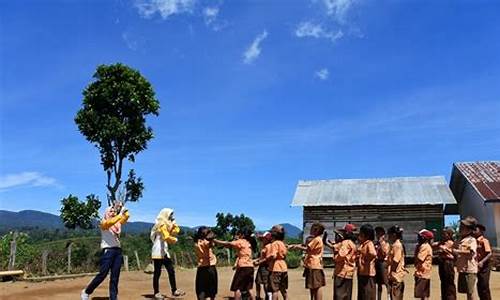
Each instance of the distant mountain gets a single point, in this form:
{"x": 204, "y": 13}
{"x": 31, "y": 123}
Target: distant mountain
{"x": 33, "y": 219}
{"x": 292, "y": 230}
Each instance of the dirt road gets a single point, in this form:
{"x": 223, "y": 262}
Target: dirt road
{"x": 137, "y": 285}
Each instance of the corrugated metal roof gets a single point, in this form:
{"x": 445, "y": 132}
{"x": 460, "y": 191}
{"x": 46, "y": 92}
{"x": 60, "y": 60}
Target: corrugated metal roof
{"x": 484, "y": 177}
{"x": 381, "y": 191}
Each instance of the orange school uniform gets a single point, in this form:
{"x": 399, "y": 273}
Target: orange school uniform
{"x": 366, "y": 258}
{"x": 244, "y": 253}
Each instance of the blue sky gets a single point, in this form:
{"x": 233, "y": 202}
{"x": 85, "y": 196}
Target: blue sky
{"x": 255, "y": 95}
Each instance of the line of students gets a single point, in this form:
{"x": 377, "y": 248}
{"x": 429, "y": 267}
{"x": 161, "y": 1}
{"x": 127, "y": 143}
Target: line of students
{"x": 378, "y": 262}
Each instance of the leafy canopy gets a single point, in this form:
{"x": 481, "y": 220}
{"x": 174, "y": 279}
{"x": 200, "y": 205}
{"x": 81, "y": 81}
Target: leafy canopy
{"x": 113, "y": 118}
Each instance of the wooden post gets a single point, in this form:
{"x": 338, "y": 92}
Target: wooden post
{"x": 137, "y": 259}
{"x": 13, "y": 249}
{"x": 175, "y": 258}
{"x": 125, "y": 262}
{"x": 70, "y": 245}
{"x": 45, "y": 254}
{"x": 228, "y": 256}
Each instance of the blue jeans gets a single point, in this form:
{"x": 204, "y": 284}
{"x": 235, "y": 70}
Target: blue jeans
{"x": 111, "y": 259}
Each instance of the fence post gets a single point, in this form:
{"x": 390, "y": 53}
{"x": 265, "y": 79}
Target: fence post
{"x": 228, "y": 256}
{"x": 125, "y": 262}
{"x": 69, "y": 256}
{"x": 138, "y": 261}
{"x": 13, "y": 249}
{"x": 45, "y": 254}
{"x": 175, "y": 258}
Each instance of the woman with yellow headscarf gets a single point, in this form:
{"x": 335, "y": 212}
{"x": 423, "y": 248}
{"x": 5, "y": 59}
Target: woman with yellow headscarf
{"x": 163, "y": 233}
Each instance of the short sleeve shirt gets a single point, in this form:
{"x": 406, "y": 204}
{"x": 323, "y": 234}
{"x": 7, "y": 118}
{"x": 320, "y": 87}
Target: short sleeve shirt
{"x": 366, "y": 258}
{"x": 423, "y": 261}
{"x": 204, "y": 254}
{"x": 277, "y": 257}
{"x": 382, "y": 249}
{"x": 396, "y": 262}
{"x": 244, "y": 253}
{"x": 314, "y": 254}
{"x": 345, "y": 259}
{"x": 467, "y": 263}
{"x": 483, "y": 248}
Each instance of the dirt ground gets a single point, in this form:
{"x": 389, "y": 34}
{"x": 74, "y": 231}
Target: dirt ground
{"x": 138, "y": 285}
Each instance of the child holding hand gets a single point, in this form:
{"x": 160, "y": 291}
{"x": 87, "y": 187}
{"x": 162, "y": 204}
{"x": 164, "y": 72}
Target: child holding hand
{"x": 313, "y": 262}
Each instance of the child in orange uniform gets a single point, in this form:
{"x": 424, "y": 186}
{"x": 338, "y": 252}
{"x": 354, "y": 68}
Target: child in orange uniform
{"x": 483, "y": 258}
{"x": 382, "y": 247}
{"x": 278, "y": 277}
{"x": 366, "y": 263}
{"x": 344, "y": 251}
{"x": 446, "y": 264}
{"x": 244, "y": 244}
{"x": 206, "y": 282}
{"x": 423, "y": 264}
{"x": 313, "y": 262}
{"x": 396, "y": 263}
{"x": 262, "y": 276}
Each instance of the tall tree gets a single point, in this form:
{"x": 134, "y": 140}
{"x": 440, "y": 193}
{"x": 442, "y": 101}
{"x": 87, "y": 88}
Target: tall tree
{"x": 113, "y": 118}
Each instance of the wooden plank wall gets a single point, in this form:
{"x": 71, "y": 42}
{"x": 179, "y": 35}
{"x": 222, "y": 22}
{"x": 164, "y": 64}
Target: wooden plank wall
{"x": 412, "y": 218}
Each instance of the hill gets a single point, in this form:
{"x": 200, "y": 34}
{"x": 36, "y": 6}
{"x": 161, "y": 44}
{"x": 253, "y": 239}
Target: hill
{"x": 292, "y": 230}
{"x": 32, "y": 220}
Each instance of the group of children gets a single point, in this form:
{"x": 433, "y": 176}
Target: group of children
{"x": 377, "y": 257}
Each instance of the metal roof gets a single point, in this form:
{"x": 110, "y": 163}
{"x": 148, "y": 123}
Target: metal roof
{"x": 483, "y": 176}
{"x": 379, "y": 191}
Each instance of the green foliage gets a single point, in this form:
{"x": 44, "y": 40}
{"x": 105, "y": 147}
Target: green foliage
{"x": 228, "y": 225}
{"x": 75, "y": 213}
{"x": 113, "y": 118}
{"x": 293, "y": 259}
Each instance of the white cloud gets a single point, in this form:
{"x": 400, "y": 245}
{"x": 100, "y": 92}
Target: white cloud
{"x": 254, "y": 50}
{"x": 26, "y": 179}
{"x": 338, "y": 8}
{"x": 131, "y": 43}
{"x": 309, "y": 29}
{"x": 322, "y": 74}
{"x": 210, "y": 14}
{"x": 166, "y": 8}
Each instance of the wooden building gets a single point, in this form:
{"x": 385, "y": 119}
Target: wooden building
{"x": 413, "y": 203}
{"x": 476, "y": 186}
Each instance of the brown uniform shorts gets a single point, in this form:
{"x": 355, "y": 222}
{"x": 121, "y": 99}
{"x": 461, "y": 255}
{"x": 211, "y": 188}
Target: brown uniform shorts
{"x": 396, "y": 290}
{"x": 422, "y": 287}
{"x": 278, "y": 281}
{"x": 242, "y": 279}
{"x": 315, "y": 278}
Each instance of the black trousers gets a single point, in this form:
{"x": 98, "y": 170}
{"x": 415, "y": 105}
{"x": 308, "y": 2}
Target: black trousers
{"x": 111, "y": 260}
{"x": 169, "y": 265}
{"x": 483, "y": 283}
{"x": 447, "y": 276}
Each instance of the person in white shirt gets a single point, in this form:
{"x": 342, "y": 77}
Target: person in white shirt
{"x": 111, "y": 259}
{"x": 163, "y": 233}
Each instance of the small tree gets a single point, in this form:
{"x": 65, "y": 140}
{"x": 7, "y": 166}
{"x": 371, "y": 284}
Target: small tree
{"x": 113, "y": 119}
{"x": 228, "y": 225}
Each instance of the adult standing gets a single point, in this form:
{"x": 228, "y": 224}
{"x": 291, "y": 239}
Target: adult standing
{"x": 111, "y": 258}
{"x": 162, "y": 234}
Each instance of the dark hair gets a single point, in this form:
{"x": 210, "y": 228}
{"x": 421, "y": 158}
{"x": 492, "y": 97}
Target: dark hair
{"x": 449, "y": 231}
{"x": 201, "y": 233}
{"x": 481, "y": 227}
{"x": 278, "y": 232}
{"x": 318, "y": 227}
{"x": 379, "y": 229}
{"x": 398, "y": 231}
{"x": 350, "y": 236}
{"x": 367, "y": 230}
{"x": 249, "y": 236}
